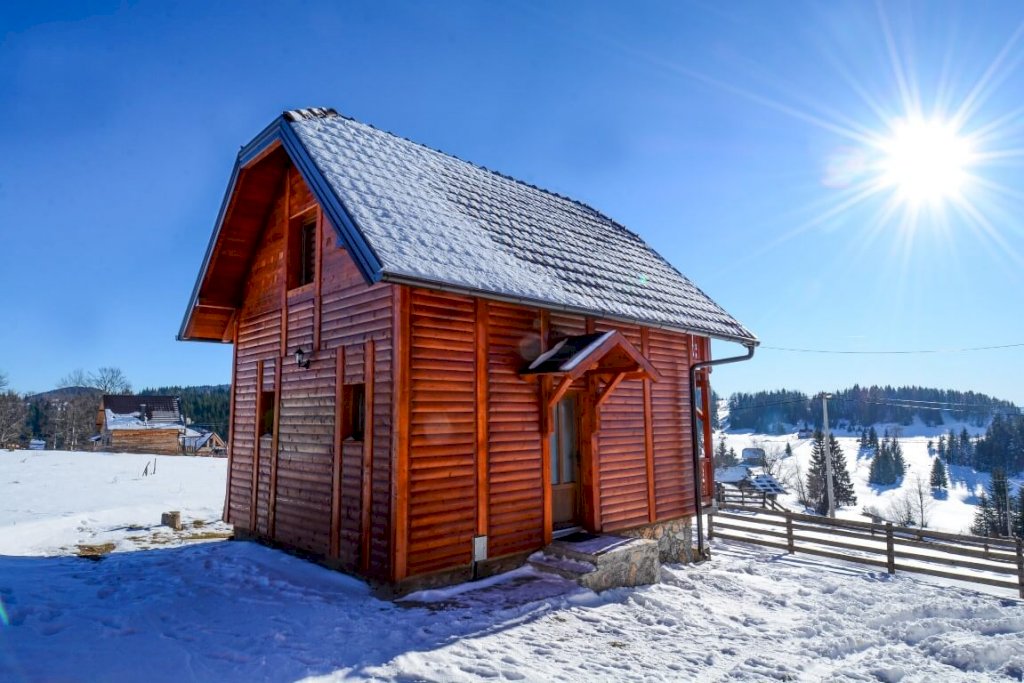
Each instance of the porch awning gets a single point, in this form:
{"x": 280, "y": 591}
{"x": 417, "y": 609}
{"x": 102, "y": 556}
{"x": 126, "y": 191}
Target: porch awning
{"x": 606, "y": 355}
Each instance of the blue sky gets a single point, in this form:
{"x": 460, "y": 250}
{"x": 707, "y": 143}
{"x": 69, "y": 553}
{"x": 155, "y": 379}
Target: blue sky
{"x": 724, "y": 135}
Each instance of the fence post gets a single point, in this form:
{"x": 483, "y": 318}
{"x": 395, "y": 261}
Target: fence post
{"x": 711, "y": 525}
{"x": 1020, "y": 568}
{"x": 890, "y": 554}
{"x": 789, "y": 531}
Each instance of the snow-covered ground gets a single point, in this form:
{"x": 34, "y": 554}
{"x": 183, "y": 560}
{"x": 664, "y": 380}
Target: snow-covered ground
{"x": 952, "y": 512}
{"x": 54, "y": 501}
{"x": 237, "y": 611}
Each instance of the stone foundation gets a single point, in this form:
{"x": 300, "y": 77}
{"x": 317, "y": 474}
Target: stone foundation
{"x": 674, "y": 537}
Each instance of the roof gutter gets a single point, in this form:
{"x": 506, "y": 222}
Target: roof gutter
{"x": 699, "y": 493}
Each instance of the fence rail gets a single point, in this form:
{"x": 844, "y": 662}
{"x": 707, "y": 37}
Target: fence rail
{"x": 878, "y": 545}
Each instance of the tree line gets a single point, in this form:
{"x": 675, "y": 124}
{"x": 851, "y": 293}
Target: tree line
{"x": 774, "y": 412}
{"x": 66, "y": 417}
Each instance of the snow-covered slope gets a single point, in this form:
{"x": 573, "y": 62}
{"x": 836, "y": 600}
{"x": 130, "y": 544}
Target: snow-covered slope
{"x": 242, "y": 612}
{"x": 52, "y": 501}
{"x": 953, "y": 512}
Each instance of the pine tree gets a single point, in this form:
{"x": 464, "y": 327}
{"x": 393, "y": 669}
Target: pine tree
{"x": 930, "y": 446}
{"x": 999, "y": 493}
{"x": 817, "y": 487}
{"x": 984, "y": 523}
{"x": 724, "y": 456}
{"x": 843, "y": 485}
{"x": 789, "y": 451}
{"x": 942, "y": 447}
{"x": 966, "y": 448}
{"x": 873, "y": 438}
{"x": 883, "y": 471}
{"x": 897, "y": 456}
{"x": 1018, "y": 514}
{"x": 939, "y": 481}
{"x": 953, "y": 449}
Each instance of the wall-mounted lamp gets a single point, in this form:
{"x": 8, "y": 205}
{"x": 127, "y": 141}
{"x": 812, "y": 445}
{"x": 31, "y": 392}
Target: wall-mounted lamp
{"x": 301, "y": 358}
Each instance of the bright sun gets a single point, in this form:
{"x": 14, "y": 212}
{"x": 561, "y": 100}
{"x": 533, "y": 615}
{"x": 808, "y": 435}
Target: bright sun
{"x": 925, "y": 161}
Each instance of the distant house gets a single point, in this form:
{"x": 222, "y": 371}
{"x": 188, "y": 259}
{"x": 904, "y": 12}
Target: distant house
{"x": 746, "y": 483}
{"x": 37, "y": 445}
{"x": 439, "y": 369}
{"x": 139, "y": 424}
{"x": 202, "y": 443}
{"x": 805, "y": 433}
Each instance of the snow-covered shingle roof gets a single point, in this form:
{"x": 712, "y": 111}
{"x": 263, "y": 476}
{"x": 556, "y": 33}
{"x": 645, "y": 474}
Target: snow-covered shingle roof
{"x": 434, "y": 219}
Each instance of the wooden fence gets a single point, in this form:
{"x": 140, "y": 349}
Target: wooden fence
{"x": 976, "y": 559}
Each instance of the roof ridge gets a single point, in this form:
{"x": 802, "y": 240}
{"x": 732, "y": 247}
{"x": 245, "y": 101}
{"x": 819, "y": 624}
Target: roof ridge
{"x": 310, "y": 113}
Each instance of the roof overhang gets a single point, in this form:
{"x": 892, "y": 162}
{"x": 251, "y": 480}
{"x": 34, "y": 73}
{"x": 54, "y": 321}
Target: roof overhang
{"x": 258, "y": 170}
{"x": 605, "y": 355}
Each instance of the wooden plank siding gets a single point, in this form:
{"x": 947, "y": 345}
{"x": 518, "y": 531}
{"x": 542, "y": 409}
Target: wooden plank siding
{"x": 454, "y": 444}
{"x": 622, "y": 455}
{"x": 670, "y": 400}
{"x": 515, "y": 482}
{"x": 296, "y": 504}
{"x": 442, "y": 438}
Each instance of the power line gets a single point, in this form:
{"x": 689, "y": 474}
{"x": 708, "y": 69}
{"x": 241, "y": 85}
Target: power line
{"x": 895, "y": 352}
{"x": 994, "y": 404}
{"x": 897, "y": 404}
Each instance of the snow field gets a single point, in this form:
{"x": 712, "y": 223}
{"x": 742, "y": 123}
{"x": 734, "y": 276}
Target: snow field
{"x": 54, "y": 501}
{"x": 242, "y": 612}
{"x": 953, "y": 513}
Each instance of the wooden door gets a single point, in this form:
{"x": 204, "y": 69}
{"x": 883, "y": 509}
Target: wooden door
{"x": 565, "y": 463}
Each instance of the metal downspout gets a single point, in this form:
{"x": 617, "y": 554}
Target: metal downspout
{"x": 697, "y": 473}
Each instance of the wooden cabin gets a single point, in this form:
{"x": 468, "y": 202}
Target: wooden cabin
{"x": 139, "y": 424}
{"x": 437, "y": 368}
{"x": 194, "y": 442}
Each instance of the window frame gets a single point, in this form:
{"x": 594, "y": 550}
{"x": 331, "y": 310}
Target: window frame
{"x": 302, "y": 235}
{"x": 353, "y": 417}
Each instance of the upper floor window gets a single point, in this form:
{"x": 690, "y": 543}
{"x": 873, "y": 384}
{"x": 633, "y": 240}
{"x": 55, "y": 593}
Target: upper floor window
{"x": 302, "y": 252}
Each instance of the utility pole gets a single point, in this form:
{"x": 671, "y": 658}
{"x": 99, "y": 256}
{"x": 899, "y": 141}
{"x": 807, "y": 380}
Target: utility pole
{"x": 829, "y": 489}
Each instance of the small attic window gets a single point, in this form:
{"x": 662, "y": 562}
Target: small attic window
{"x": 302, "y": 252}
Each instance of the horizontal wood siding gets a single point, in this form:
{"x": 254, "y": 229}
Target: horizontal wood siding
{"x": 622, "y": 457}
{"x": 442, "y": 476}
{"x": 163, "y": 441}
{"x": 300, "y": 321}
{"x": 670, "y": 401}
{"x": 259, "y": 338}
{"x": 515, "y": 478}
{"x": 305, "y": 454}
{"x": 350, "y": 313}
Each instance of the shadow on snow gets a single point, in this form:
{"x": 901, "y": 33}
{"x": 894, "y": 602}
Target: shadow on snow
{"x": 229, "y": 611}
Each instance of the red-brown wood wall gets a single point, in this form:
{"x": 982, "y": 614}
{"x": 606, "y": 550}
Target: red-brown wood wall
{"x": 339, "y": 313}
{"x": 459, "y": 451}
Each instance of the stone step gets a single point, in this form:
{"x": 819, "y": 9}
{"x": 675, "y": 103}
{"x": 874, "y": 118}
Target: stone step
{"x": 565, "y": 567}
{"x": 600, "y": 562}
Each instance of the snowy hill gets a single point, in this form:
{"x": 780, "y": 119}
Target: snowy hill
{"x": 174, "y": 610}
{"x": 55, "y": 501}
{"x": 952, "y": 513}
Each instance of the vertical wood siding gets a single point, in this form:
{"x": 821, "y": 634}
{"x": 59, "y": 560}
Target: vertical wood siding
{"x": 442, "y": 474}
